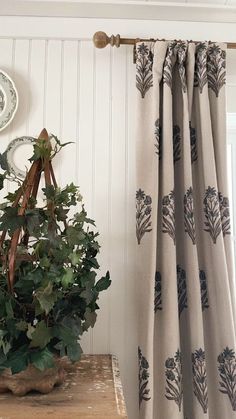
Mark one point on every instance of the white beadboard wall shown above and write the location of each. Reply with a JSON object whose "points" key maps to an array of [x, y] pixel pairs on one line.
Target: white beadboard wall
{"points": [[87, 96]]}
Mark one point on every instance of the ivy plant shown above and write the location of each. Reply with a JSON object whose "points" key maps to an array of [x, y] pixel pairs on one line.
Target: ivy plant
{"points": [[56, 291]]}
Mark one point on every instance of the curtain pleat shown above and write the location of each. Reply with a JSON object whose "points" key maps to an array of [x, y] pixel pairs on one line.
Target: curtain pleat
{"points": [[185, 284]]}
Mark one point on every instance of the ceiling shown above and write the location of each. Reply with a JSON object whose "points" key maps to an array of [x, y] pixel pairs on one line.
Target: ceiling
{"points": [[187, 10], [195, 2]]}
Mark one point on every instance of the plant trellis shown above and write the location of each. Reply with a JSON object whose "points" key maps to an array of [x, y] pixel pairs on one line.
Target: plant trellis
{"points": [[26, 192]]}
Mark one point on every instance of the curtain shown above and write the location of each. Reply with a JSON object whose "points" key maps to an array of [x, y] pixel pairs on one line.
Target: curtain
{"points": [[186, 353]]}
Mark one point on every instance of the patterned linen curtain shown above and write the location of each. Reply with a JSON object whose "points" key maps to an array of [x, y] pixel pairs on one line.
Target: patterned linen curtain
{"points": [[187, 361]]}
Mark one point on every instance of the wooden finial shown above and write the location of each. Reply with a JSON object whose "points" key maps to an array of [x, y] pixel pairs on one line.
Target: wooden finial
{"points": [[101, 40], [44, 134]]}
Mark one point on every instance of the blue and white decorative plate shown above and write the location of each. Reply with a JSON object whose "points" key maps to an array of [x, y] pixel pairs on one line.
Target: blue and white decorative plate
{"points": [[8, 100], [9, 153]]}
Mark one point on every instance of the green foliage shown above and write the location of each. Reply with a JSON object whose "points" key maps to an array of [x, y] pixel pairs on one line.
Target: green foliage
{"points": [[42, 359], [103, 283], [42, 151], [40, 336], [46, 297], [56, 291]]}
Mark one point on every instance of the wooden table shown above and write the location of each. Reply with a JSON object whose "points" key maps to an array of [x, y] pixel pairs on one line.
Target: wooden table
{"points": [[92, 390]]}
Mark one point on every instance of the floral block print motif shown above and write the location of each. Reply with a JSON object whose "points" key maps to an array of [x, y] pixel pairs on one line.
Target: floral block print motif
{"points": [[182, 289], [168, 215], [216, 68], [167, 71], [174, 386], [193, 143], [200, 73], [200, 378], [158, 298], [227, 370], [216, 208], [204, 291], [144, 391], [175, 50], [212, 213], [144, 69], [176, 141], [143, 214], [181, 57], [210, 67], [224, 213], [189, 223]]}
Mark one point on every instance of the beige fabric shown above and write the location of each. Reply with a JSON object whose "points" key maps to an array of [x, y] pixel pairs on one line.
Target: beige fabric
{"points": [[187, 363]]}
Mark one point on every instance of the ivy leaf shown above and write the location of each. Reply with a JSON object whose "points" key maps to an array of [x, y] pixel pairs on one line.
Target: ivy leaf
{"points": [[49, 191], [41, 150], [30, 331], [90, 221], [88, 277], [61, 213], [38, 309], [74, 236], [10, 219], [88, 295], [103, 283], [90, 319], [74, 351], [3, 162], [5, 345], [45, 262], [17, 360], [3, 359], [75, 258], [74, 324], [9, 309], [64, 333], [2, 178], [22, 326], [59, 143], [41, 336], [34, 218], [11, 327], [61, 347], [42, 359], [46, 297], [67, 278], [11, 196]]}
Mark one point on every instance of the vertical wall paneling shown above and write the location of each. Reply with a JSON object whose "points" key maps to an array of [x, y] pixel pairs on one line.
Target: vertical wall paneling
{"points": [[21, 78], [45, 82], [6, 64], [85, 140], [101, 178], [20, 74], [36, 87], [69, 103], [86, 96], [118, 199], [77, 110], [53, 94]]}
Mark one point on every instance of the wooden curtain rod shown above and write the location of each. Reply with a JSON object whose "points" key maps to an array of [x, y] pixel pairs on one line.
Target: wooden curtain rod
{"points": [[101, 40]]}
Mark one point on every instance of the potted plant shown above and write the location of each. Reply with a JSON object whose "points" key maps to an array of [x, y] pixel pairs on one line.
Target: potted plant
{"points": [[48, 287]]}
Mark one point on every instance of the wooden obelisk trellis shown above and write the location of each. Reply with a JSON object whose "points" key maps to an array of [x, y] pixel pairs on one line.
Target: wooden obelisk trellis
{"points": [[28, 189]]}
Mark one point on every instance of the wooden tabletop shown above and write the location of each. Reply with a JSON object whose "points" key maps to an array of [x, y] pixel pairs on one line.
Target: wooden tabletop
{"points": [[92, 390]]}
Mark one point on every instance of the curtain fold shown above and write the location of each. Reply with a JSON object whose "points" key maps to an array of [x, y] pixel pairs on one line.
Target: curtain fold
{"points": [[187, 362]]}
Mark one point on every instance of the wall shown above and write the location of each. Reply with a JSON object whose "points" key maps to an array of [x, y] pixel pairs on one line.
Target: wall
{"points": [[88, 96]]}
